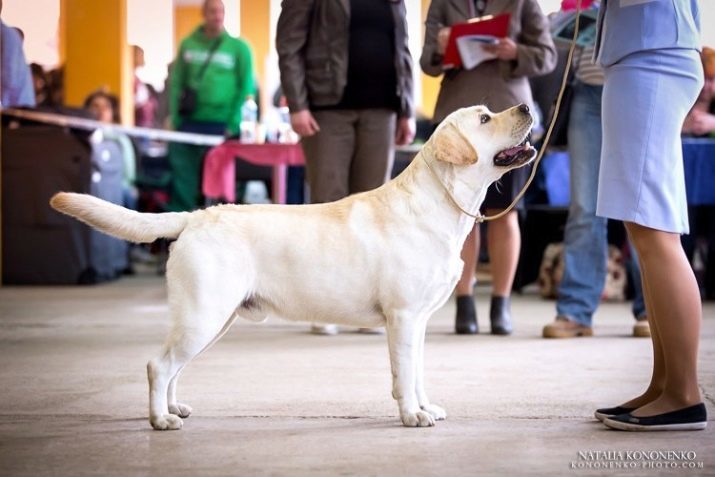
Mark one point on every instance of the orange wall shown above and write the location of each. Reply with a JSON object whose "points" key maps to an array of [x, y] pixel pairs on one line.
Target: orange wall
{"points": [[255, 29], [95, 51], [186, 19], [430, 85]]}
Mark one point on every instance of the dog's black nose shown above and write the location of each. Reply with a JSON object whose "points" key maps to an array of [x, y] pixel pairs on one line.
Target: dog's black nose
{"points": [[523, 108]]}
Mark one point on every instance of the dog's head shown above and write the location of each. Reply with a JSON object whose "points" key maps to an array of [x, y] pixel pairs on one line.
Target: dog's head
{"points": [[493, 143]]}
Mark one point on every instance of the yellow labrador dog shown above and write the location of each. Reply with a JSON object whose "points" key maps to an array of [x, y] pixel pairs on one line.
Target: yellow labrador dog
{"points": [[388, 257]]}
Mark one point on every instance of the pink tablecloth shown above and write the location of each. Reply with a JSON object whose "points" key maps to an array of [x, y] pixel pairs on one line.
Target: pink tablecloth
{"points": [[219, 175]]}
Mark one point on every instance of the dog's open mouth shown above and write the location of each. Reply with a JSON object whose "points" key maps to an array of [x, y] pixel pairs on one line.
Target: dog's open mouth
{"points": [[516, 156]]}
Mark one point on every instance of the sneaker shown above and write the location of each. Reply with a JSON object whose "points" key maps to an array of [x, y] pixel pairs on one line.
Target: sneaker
{"points": [[642, 328], [693, 418], [562, 327], [326, 330]]}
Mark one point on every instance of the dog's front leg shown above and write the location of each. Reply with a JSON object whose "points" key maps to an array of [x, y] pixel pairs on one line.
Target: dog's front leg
{"points": [[402, 338], [437, 412]]}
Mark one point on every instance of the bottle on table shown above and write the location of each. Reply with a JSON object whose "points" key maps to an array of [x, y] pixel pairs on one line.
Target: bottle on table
{"points": [[249, 119]]}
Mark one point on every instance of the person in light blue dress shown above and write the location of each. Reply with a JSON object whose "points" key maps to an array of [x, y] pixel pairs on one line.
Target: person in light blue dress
{"points": [[653, 74]]}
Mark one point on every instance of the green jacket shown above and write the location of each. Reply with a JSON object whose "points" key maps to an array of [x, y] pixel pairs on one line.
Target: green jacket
{"points": [[227, 81]]}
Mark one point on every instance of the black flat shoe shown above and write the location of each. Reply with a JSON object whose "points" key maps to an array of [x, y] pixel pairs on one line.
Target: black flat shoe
{"points": [[500, 315], [693, 418], [605, 412], [466, 320]]}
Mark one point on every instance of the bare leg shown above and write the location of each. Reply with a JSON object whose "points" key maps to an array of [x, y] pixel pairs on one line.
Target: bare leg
{"points": [[504, 239], [676, 312], [470, 249], [657, 380]]}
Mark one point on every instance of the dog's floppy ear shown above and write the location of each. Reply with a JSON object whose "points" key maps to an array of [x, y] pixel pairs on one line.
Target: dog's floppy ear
{"points": [[450, 145]]}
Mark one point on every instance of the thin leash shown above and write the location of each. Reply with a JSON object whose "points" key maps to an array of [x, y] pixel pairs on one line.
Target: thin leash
{"points": [[479, 218]]}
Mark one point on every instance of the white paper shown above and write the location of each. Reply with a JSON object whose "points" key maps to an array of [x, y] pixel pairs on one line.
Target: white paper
{"points": [[471, 49]]}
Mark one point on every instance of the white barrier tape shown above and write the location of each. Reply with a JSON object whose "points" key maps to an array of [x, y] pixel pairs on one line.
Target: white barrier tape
{"points": [[147, 133], [91, 125]]}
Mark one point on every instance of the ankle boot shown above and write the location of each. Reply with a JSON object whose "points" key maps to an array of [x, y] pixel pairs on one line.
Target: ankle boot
{"points": [[500, 315], [466, 320]]}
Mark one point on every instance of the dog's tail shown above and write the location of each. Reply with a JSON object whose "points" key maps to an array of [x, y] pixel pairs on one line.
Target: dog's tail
{"points": [[117, 221]]}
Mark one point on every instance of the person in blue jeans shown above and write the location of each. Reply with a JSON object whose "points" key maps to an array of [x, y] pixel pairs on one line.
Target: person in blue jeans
{"points": [[586, 235]]}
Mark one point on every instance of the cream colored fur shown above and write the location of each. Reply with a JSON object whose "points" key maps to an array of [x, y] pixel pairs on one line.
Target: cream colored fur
{"points": [[389, 257]]}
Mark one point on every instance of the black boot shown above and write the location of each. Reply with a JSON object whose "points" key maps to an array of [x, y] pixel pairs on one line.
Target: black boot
{"points": [[500, 315], [466, 321]]}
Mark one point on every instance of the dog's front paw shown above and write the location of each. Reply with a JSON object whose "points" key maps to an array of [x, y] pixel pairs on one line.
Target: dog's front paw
{"points": [[167, 422], [181, 410], [437, 412], [417, 419]]}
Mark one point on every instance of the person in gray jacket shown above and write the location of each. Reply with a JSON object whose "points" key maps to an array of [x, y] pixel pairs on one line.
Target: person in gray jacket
{"points": [[500, 83], [346, 73]]}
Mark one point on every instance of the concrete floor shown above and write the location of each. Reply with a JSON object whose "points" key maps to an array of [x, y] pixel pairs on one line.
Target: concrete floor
{"points": [[271, 399]]}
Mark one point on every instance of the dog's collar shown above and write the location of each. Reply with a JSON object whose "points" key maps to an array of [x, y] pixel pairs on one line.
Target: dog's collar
{"points": [[478, 218]]}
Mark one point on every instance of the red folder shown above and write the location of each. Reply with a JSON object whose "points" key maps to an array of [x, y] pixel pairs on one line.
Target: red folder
{"points": [[494, 25]]}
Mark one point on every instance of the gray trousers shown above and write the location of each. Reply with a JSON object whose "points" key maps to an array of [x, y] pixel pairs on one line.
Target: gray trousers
{"points": [[353, 152]]}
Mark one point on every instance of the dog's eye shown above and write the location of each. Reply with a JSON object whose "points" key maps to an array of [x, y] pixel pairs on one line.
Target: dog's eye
{"points": [[485, 118]]}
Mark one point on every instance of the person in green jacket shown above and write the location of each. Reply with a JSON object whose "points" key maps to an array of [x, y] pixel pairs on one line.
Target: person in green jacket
{"points": [[219, 69]]}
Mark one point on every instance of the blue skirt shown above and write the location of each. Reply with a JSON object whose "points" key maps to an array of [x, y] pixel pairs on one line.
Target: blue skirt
{"points": [[646, 97]]}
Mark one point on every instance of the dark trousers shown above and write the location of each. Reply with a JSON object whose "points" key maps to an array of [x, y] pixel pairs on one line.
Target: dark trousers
{"points": [[186, 161], [353, 152]]}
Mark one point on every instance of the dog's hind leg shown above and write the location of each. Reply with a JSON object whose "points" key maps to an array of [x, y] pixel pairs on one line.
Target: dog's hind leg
{"points": [[184, 410], [176, 408], [183, 345], [201, 308], [402, 338], [437, 412]]}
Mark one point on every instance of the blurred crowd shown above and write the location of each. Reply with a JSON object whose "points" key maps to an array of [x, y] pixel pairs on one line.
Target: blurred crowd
{"points": [[211, 88]]}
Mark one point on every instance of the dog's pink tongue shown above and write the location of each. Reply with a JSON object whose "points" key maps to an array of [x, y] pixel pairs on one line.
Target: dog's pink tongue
{"points": [[512, 150]]}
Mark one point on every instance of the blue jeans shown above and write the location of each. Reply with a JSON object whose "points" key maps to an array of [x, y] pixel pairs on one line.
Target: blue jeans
{"points": [[586, 235]]}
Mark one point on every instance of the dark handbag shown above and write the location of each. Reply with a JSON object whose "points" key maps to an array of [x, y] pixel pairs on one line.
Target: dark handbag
{"points": [[188, 99], [559, 134]]}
